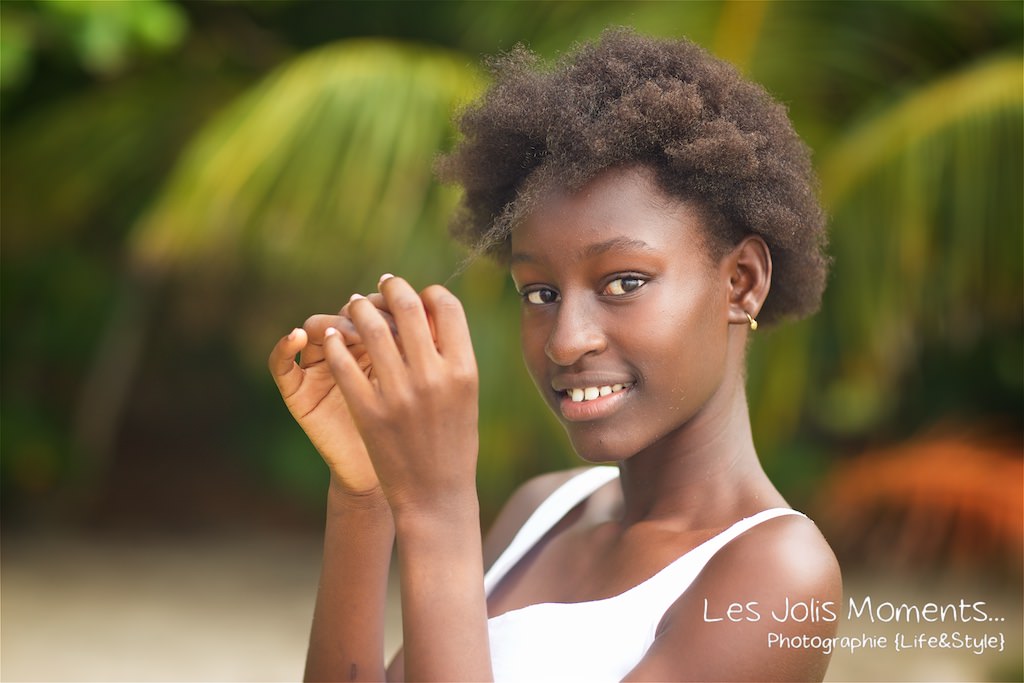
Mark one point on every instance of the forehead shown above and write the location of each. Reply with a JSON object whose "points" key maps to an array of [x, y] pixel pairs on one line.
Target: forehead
{"points": [[620, 209]]}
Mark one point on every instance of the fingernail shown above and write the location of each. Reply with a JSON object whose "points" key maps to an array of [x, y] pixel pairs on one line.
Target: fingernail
{"points": [[356, 296], [385, 276], [291, 335], [330, 332]]}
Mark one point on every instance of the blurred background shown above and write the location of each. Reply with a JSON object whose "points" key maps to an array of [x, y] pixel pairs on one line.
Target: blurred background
{"points": [[184, 182]]}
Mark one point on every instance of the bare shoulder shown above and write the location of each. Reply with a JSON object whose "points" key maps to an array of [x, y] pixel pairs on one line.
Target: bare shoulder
{"points": [[520, 505], [778, 583], [785, 552]]}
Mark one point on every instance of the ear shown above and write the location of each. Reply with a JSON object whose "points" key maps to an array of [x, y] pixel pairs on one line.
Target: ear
{"points": [[749, 268]]}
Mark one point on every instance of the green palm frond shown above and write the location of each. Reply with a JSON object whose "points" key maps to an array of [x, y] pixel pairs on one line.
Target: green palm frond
{"points": [[925, 216], [926, 236], [94, 159], [993, 85], [324, 169], [324, 164]]}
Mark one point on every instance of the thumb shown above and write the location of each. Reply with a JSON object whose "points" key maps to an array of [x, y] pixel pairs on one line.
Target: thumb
{"points": [[283, 368]]}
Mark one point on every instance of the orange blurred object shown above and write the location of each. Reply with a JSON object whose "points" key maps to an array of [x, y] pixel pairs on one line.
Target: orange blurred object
{"points": [[935, 501]]}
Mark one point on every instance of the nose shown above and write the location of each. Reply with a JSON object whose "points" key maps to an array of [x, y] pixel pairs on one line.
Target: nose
{"points": [[576, 333]]}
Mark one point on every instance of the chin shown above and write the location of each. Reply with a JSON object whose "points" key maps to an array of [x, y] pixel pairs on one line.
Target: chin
{"points": [[597, 449], [596, 443]]}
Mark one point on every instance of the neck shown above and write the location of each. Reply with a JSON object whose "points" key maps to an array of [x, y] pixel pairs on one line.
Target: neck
{"points": [[706, 471]]}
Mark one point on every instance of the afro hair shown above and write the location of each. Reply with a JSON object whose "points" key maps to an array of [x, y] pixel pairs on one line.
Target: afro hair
{"points": [[710, 136]]}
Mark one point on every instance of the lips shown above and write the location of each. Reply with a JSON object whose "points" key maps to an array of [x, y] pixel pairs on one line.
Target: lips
{"points": [[590, 396], [577, 394]]}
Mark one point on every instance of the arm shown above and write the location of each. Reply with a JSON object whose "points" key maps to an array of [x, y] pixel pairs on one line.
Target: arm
{"points": [[520, 505], [418, 417], [346, 640], [786, 560], [444, 609]]}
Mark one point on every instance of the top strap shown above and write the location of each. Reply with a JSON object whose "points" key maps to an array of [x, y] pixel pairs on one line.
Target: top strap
{"points": [[545, 517], [716, 543], [668, 584]]}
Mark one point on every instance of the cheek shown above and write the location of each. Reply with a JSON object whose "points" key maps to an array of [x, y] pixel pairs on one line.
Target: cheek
{"points": [[686, 343], [532, 338]]}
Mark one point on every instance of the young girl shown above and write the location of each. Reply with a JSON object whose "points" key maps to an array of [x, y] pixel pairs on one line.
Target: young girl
{"points": [[654, 209]]}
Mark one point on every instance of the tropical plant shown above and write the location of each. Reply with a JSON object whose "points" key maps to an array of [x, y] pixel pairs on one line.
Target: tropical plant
{"points": [[316, 178]]}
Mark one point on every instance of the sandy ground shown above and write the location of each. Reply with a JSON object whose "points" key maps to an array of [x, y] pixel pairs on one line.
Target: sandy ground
{"points": [[212, 609], [238, 609]]}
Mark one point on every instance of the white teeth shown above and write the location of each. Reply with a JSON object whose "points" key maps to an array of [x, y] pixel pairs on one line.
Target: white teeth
{"points": [[590, 393]]}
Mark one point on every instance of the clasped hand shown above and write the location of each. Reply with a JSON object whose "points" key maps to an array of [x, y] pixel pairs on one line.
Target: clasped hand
{"points": [[401, 411]]}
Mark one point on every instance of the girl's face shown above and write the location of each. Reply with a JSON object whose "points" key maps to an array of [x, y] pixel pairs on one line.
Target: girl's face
{"points": [[624, 313]]}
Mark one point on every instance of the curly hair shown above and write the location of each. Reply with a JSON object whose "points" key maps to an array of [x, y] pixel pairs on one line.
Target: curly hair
{"points": [[711, 138]]}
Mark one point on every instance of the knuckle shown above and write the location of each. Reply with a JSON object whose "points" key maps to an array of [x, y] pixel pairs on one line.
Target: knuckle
{"points": [[426, 382], [375, 333], [421, 386], [450, 308], [440, 296], [406, 304], [370, 413], [400, 400], [465, 376]]}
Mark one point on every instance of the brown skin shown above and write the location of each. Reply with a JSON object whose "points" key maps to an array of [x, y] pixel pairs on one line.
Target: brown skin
{"points": [[681, 436], [676, 327], [347, 636], [418, 419]]}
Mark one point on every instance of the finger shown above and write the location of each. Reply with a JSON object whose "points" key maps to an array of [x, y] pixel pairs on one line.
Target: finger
{"points": [[287, 375], [354, 384], [315, 326], [452, 330], [388, 366], [411, 319], [358, 352], [375, 298], [378, 302], [430, 323]]}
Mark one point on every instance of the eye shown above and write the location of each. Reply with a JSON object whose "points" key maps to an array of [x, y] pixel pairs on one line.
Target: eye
{"points": [[624, 285], [540, 296]]}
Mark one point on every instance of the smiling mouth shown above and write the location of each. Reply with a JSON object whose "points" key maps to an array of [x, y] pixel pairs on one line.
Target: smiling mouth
{"points": [[584, 394]]}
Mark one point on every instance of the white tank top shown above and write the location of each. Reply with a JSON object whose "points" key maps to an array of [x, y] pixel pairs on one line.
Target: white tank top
{"points": [[599, 640]]}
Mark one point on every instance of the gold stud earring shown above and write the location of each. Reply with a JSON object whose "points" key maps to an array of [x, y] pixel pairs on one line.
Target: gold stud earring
{"points": [[753, 323]]}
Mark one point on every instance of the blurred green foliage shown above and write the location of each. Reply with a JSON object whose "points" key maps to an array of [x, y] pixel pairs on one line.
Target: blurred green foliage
{"points": [[185, 182], [103, 38]]}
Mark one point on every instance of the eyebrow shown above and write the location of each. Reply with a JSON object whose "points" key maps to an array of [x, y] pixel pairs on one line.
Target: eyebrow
{"points": [[616, 243], [592, 250]]}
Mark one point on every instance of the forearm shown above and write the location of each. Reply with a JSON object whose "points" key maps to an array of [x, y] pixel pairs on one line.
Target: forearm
{"points": [[347, 637], [444, 608]]}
